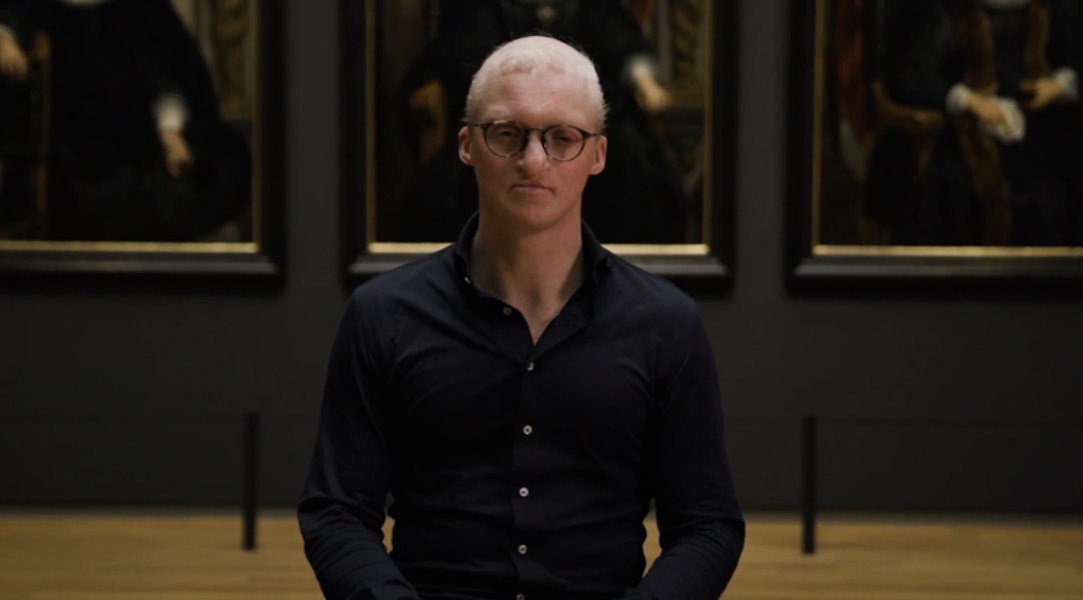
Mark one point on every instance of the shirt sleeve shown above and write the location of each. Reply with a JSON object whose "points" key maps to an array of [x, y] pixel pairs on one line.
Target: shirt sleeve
{"points": [[701, 529], [342, 508]]}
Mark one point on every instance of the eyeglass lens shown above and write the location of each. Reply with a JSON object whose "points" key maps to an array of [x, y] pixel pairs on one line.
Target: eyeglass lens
{"points": [[561, 142]]}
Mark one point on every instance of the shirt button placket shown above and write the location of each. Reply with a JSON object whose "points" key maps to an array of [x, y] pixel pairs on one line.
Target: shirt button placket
{"points": [[524, 491]]}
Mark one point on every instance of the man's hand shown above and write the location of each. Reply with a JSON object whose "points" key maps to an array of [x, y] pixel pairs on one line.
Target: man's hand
{"points": [[178, 157], [13, 63], [1042, 91]]}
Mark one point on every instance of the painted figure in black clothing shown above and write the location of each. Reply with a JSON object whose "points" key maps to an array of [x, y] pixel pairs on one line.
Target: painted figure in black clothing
{"points": [[638, 198], [1006, 168], [137, 150]]}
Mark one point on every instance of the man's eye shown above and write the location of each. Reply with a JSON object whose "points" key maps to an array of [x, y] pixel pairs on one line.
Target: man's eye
{"points": [[506, 131], [564, 136]]}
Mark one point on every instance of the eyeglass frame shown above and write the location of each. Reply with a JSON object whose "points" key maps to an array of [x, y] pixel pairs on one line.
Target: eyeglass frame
{"points": [[526, 137]]}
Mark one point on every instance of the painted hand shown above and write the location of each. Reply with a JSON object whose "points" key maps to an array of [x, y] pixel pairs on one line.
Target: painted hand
{"points": [[13, 63], [178, 157], [1042, 91]]}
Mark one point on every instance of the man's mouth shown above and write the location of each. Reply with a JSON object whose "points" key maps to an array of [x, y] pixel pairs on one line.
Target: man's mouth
{"points": [[529, 186]]}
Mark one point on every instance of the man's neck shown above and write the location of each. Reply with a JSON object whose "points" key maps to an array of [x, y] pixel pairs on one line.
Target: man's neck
{"points": [[535, 273]]}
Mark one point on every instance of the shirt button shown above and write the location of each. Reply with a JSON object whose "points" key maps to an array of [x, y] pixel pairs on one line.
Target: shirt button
{"points": [[527, 430], [524, 492], [467, 280], [530, 366], [522, 548], [507, 311]]}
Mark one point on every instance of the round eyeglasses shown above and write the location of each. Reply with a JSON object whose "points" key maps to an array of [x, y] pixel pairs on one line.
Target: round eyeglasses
{"points": [[507, 138]]}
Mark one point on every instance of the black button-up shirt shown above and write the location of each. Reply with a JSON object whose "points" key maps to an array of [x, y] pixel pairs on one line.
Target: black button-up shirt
{"points": [[515, 469]]}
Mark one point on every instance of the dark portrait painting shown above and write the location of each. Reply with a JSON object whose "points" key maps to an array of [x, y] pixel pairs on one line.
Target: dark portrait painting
{"points": [[938, 138], [407, 66], [132, 130]]}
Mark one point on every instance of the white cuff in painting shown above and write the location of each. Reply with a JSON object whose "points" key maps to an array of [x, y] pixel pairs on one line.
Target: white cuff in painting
{"points": [[170, 112], [1069, 83], [958, 97], [640, 65]]}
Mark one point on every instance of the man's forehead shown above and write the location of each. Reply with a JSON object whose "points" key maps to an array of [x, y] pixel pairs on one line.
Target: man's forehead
{"points": [[533, 100]]}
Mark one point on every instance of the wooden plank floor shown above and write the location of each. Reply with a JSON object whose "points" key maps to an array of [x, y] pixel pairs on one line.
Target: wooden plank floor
{"points": [[194, 556]]}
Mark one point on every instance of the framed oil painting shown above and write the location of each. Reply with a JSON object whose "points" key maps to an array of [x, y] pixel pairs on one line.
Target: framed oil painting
{"points": [[140, 138], [664, 199], [937, 141]]}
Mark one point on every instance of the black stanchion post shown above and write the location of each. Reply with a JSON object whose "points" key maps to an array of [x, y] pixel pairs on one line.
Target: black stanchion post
{"points": [[250, 480], [808, 484]]}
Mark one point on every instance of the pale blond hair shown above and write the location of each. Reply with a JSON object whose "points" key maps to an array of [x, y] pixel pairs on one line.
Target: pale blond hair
{"points": [[532, 54]]}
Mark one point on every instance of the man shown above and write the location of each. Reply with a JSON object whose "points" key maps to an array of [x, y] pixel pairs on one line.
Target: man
{"points": [[522, 395]]}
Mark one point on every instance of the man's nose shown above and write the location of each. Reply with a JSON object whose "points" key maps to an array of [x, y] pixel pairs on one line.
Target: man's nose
{"points": [[534, 148]]}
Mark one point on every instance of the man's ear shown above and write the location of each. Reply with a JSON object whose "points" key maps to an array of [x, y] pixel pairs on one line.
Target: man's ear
{"points": [[465, 149], [598, 155]]}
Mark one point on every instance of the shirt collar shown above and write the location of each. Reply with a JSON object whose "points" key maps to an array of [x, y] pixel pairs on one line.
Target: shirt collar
{"points": [[595, 257]]}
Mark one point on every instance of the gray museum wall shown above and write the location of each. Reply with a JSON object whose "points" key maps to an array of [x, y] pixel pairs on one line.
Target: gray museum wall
{"points": [[134, 396]]}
